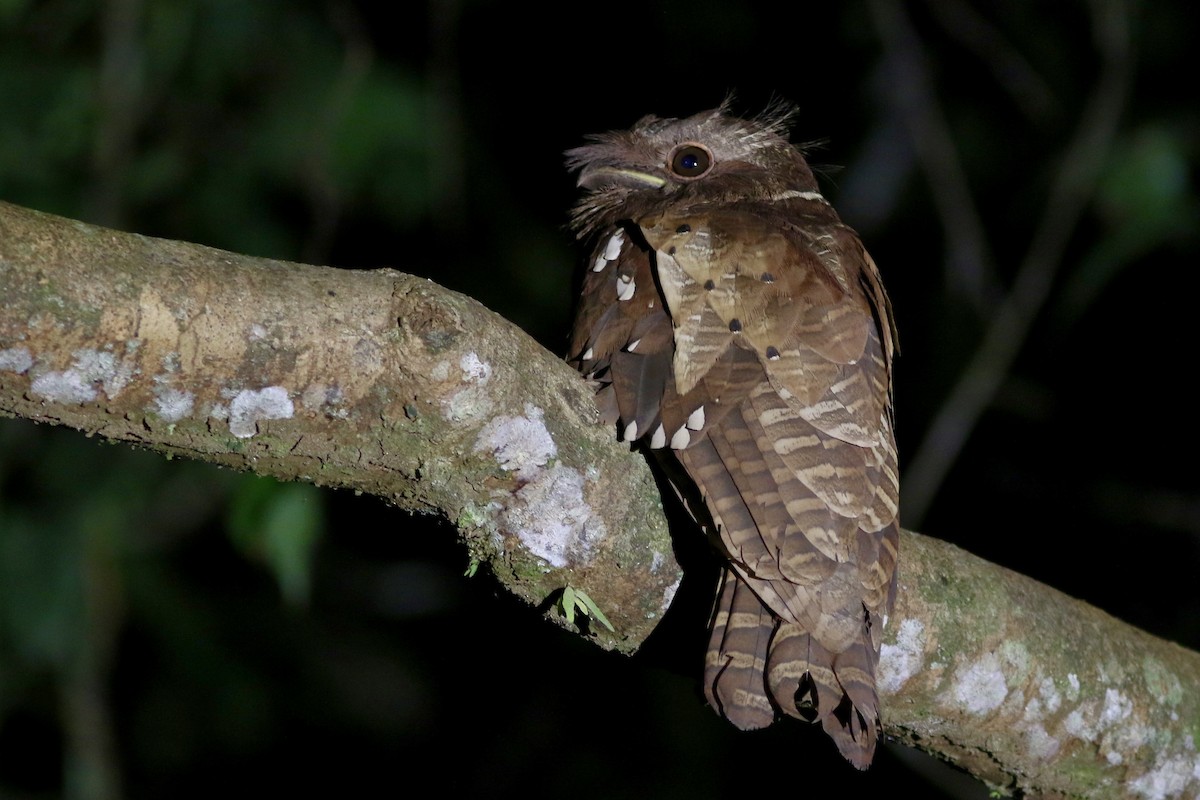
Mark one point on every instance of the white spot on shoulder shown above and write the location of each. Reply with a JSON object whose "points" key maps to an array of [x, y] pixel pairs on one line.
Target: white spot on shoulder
{"points": [[250, 406], [587, 355], [625, 287], [631, 432], [680, 439], [629, 348], [979, 687], [899, 662], [695, 420], [16, 359], [613, 248], [659, 438]]}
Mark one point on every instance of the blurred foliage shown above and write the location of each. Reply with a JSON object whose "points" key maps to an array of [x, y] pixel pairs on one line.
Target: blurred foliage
{"points": [[278, 524], [1146, 201], [172, 629]]}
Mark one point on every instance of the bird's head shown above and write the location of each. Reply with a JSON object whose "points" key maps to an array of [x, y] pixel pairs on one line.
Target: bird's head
{"points": [[710, 157]]}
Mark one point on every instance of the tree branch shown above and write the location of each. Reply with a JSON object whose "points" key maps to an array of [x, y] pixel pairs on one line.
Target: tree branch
{"points": [[390, 385], [375, 381]]}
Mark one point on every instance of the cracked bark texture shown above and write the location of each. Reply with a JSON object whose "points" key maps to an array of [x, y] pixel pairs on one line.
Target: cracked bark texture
{"points": [[393, 386]]}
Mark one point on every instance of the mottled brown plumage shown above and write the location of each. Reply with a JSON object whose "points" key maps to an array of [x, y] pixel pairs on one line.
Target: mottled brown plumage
{"points": [[734, 324]]}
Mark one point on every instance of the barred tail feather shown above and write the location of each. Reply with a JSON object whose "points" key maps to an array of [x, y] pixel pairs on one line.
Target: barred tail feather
{"points": [[757, 665], [742, 628], [809, 682]]}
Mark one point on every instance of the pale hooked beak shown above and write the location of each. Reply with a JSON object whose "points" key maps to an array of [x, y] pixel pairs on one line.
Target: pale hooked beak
{"points": [[599, 177]]}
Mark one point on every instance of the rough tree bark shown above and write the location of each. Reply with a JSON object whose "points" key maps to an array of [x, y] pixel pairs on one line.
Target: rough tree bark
{"points": [[390, 385]]}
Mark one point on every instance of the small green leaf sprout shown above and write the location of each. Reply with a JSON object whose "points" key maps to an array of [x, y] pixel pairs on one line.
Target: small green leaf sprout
{"points": [[573, 600]]}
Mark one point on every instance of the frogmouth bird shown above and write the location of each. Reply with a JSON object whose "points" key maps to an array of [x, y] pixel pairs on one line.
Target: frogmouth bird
{"points": [[739, 332]]}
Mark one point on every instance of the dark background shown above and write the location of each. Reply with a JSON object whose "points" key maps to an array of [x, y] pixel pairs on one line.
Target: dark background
{"points": [[170, 629]]}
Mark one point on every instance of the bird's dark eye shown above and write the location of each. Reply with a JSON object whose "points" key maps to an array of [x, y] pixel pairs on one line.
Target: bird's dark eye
{"points": [[691, 160]]}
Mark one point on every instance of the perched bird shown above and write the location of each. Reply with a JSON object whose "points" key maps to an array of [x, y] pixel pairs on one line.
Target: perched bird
{"points": [[738, 330]]}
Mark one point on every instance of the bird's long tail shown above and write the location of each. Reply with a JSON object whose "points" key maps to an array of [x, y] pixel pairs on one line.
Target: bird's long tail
{"points": [[757, 664]]}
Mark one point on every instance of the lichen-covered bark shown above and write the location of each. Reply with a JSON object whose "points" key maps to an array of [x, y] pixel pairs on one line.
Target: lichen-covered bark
{"points": [[376, 381], [390, 385], [1029, 689]]}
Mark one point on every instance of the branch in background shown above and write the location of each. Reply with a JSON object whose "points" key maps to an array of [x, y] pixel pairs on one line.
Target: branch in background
{"points": [[1070, 194], [390, 385], [121, 109], [326, 204], [1012, 71], [968, 269], [445, 128], [91, 752]]}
